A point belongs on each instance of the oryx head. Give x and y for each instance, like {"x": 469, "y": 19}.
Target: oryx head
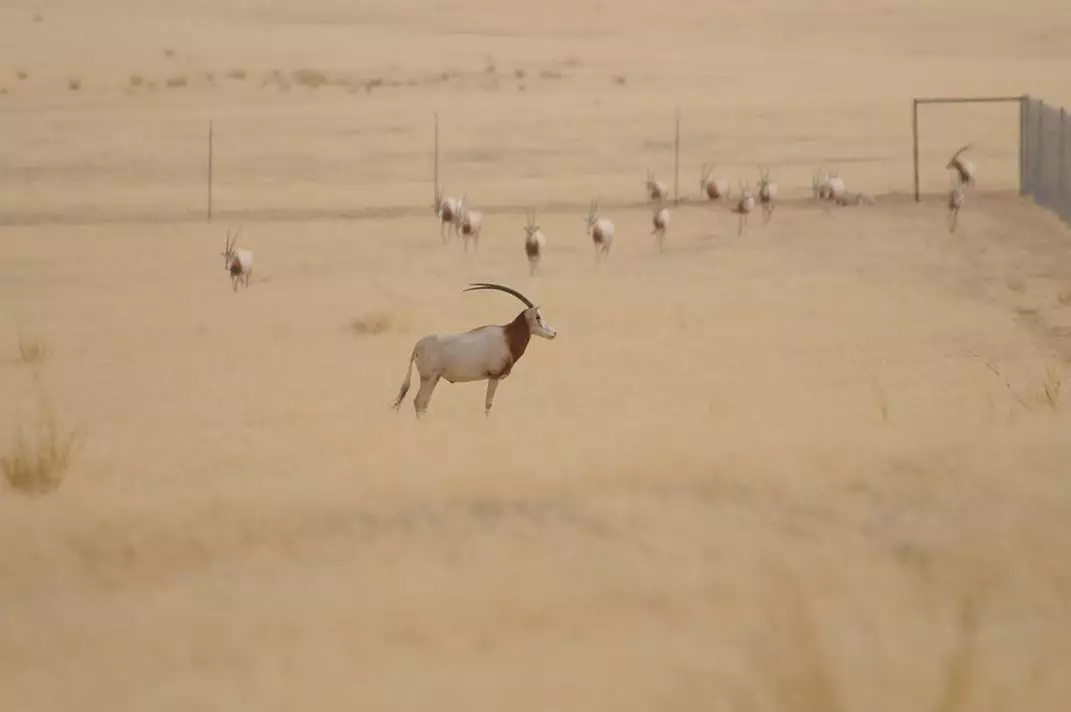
{"x": 228, "y": 249}
{"x": 530, "y": 227}
{"x": 592, "y": 214}
{"x": 536, "y": 325}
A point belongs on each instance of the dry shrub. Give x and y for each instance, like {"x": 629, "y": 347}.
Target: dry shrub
{"x": 551, "y": 74}
{"x": 374, "y": 323}
{"x": 312, "y": 78}
{"x": 74, "y": 84}
{"x": 39, "y": 466}
{"x": 177, "y": 82}
{"x": 32, "y": 350}
{"x": 620, "y": 79}
{"x": 136, "y": 81}
{"x": 237, "y": 74}
{"x": 519, "y": 73}
{"x": 1064, "y": 297}
{"x": 22, "y": 75}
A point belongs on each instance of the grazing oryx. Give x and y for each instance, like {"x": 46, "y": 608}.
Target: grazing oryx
{"x": 660, "y": 221}
{"x": 533, "y": 243}
{"x": 854, "y": 199}
{"x": 601, "y": 231}
{"x": 446, "y": 209}
{"x": 955, "y": 202}
{"x": 744, "y": 205}
{"x": 656, "y": 189}
{"x": 767, "y": 193}
{"x": 239, "y": 263}
{"x": 485, "y": 353}
{"x": 964, "y": 169}
{"x": 713, "y": 188}
{"x": 468, "y": 224}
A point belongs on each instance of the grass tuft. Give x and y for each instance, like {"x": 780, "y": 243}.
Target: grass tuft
{"x": 74, "y": 84}
{"x": 39, "y": 466}
{"x": 32, "y": 350}
{"x": 373, "y": 323}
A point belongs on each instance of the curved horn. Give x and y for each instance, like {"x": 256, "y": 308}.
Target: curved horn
{"x": 475, "y": 286}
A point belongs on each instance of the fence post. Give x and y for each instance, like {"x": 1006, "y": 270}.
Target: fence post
{"x": 915, "y": 143}
{"x": 1061, "y": 176}
{"x": 435, "y": 176}
{"x": 210, "y": 131}
{"x": 1023, "y": 146}
{"x": 677, "y": 161}
{"x": 1039, "y": 155}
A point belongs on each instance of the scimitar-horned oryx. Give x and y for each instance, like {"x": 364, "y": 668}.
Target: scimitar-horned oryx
{"x": 484, "y": 353}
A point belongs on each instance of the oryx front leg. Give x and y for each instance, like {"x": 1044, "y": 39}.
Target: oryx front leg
{"x": 423, "y": 396}
{"x": 492, "y": 386}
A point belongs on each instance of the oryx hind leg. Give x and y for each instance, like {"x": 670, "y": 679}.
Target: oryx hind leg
{"x": 423, "y": 396}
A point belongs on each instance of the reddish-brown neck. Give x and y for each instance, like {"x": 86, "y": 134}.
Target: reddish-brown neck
{"x": 518, "y": 334}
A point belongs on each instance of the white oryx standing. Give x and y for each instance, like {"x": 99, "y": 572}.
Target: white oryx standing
{"x": 964, "y": 169}
{"x": 469, "y": 223}
{"x": 601, "y": 231}
{"x": 660, "y": 221}
{"x": 239, "y": 263}
{"x": 656, "y": 189}
{"x": 744, "y": 205}
{"x": 533, "y": 243}
{"x": 446, "y": 209}
{"x": 827, "y": 186}
{"x": 714, "y": 189}
{"x": 767, "y": 194}
{"x": 485, "y": 353}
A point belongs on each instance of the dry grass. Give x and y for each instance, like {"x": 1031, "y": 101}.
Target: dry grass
{"x": 237, "y": 74}
{"x": 22, "y": 75}
{"x": 311, "y": 78}
{"x": 38, "y": 465}
{"x": 74, "y": 84}
{"x": 374, "y": 323}
{"x": 1064, "y": 297}
{"x": 33, "y": 350}
{"x": 136, "y": 81}
{"x": 177, "y": 81}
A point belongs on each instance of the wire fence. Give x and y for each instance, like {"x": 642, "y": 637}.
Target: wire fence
{"x": 354, "y": 159}
{"x": 1044, "y": 170}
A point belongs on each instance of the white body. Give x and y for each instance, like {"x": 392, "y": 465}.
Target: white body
{"x": 470, "y": 222}
{"x": 828, "y": 187}
{"x": 448, "y": 211}
{"x": 601, "y": 231}
{"x": 534, "y": 242}
{"x": 656, "y": 189}
{"x": 484, "y": 353}
{"x": 744, "y": 205}
{"x": 955, "y": 202}
{"x": 660, "y": 221}
{"x": 237, "y": 262}
{"x": 712, "y": 188}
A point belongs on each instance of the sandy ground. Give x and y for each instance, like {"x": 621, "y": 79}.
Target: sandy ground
{"x": 820, "y": 466}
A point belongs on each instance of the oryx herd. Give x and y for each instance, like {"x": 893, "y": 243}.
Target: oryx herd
{"x": 490, "y": 352}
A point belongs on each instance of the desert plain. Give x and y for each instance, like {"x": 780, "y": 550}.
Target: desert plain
{"x": 822, "y": 465}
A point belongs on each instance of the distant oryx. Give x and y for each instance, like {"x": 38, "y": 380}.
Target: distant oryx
{"x": 601, "y": 231}
{"x": 485, "y": 353}
{"x": 533, "y": 243}
{"x": 656, "y": 189}
{"x": 239, "y": 263}
{"x": 660, "y": 221}
{"x": 744, "y": 205}
{"x": 713, "y": 189}
{"x": 446, "y": 209}
{"x": 468, "y": 223}
{"x": 955, "y": 203}
{"x": 964, "y": 169}
{"x": 827, "y": 186}
{"x": 767, "y": 193}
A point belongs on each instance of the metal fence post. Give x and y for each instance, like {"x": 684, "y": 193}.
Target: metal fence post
{"x": 915, "y": 143}
{"x": 1061, "y": 179}
{"x": 1039, "y": 155}
{"x": 1024, "y": 178}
